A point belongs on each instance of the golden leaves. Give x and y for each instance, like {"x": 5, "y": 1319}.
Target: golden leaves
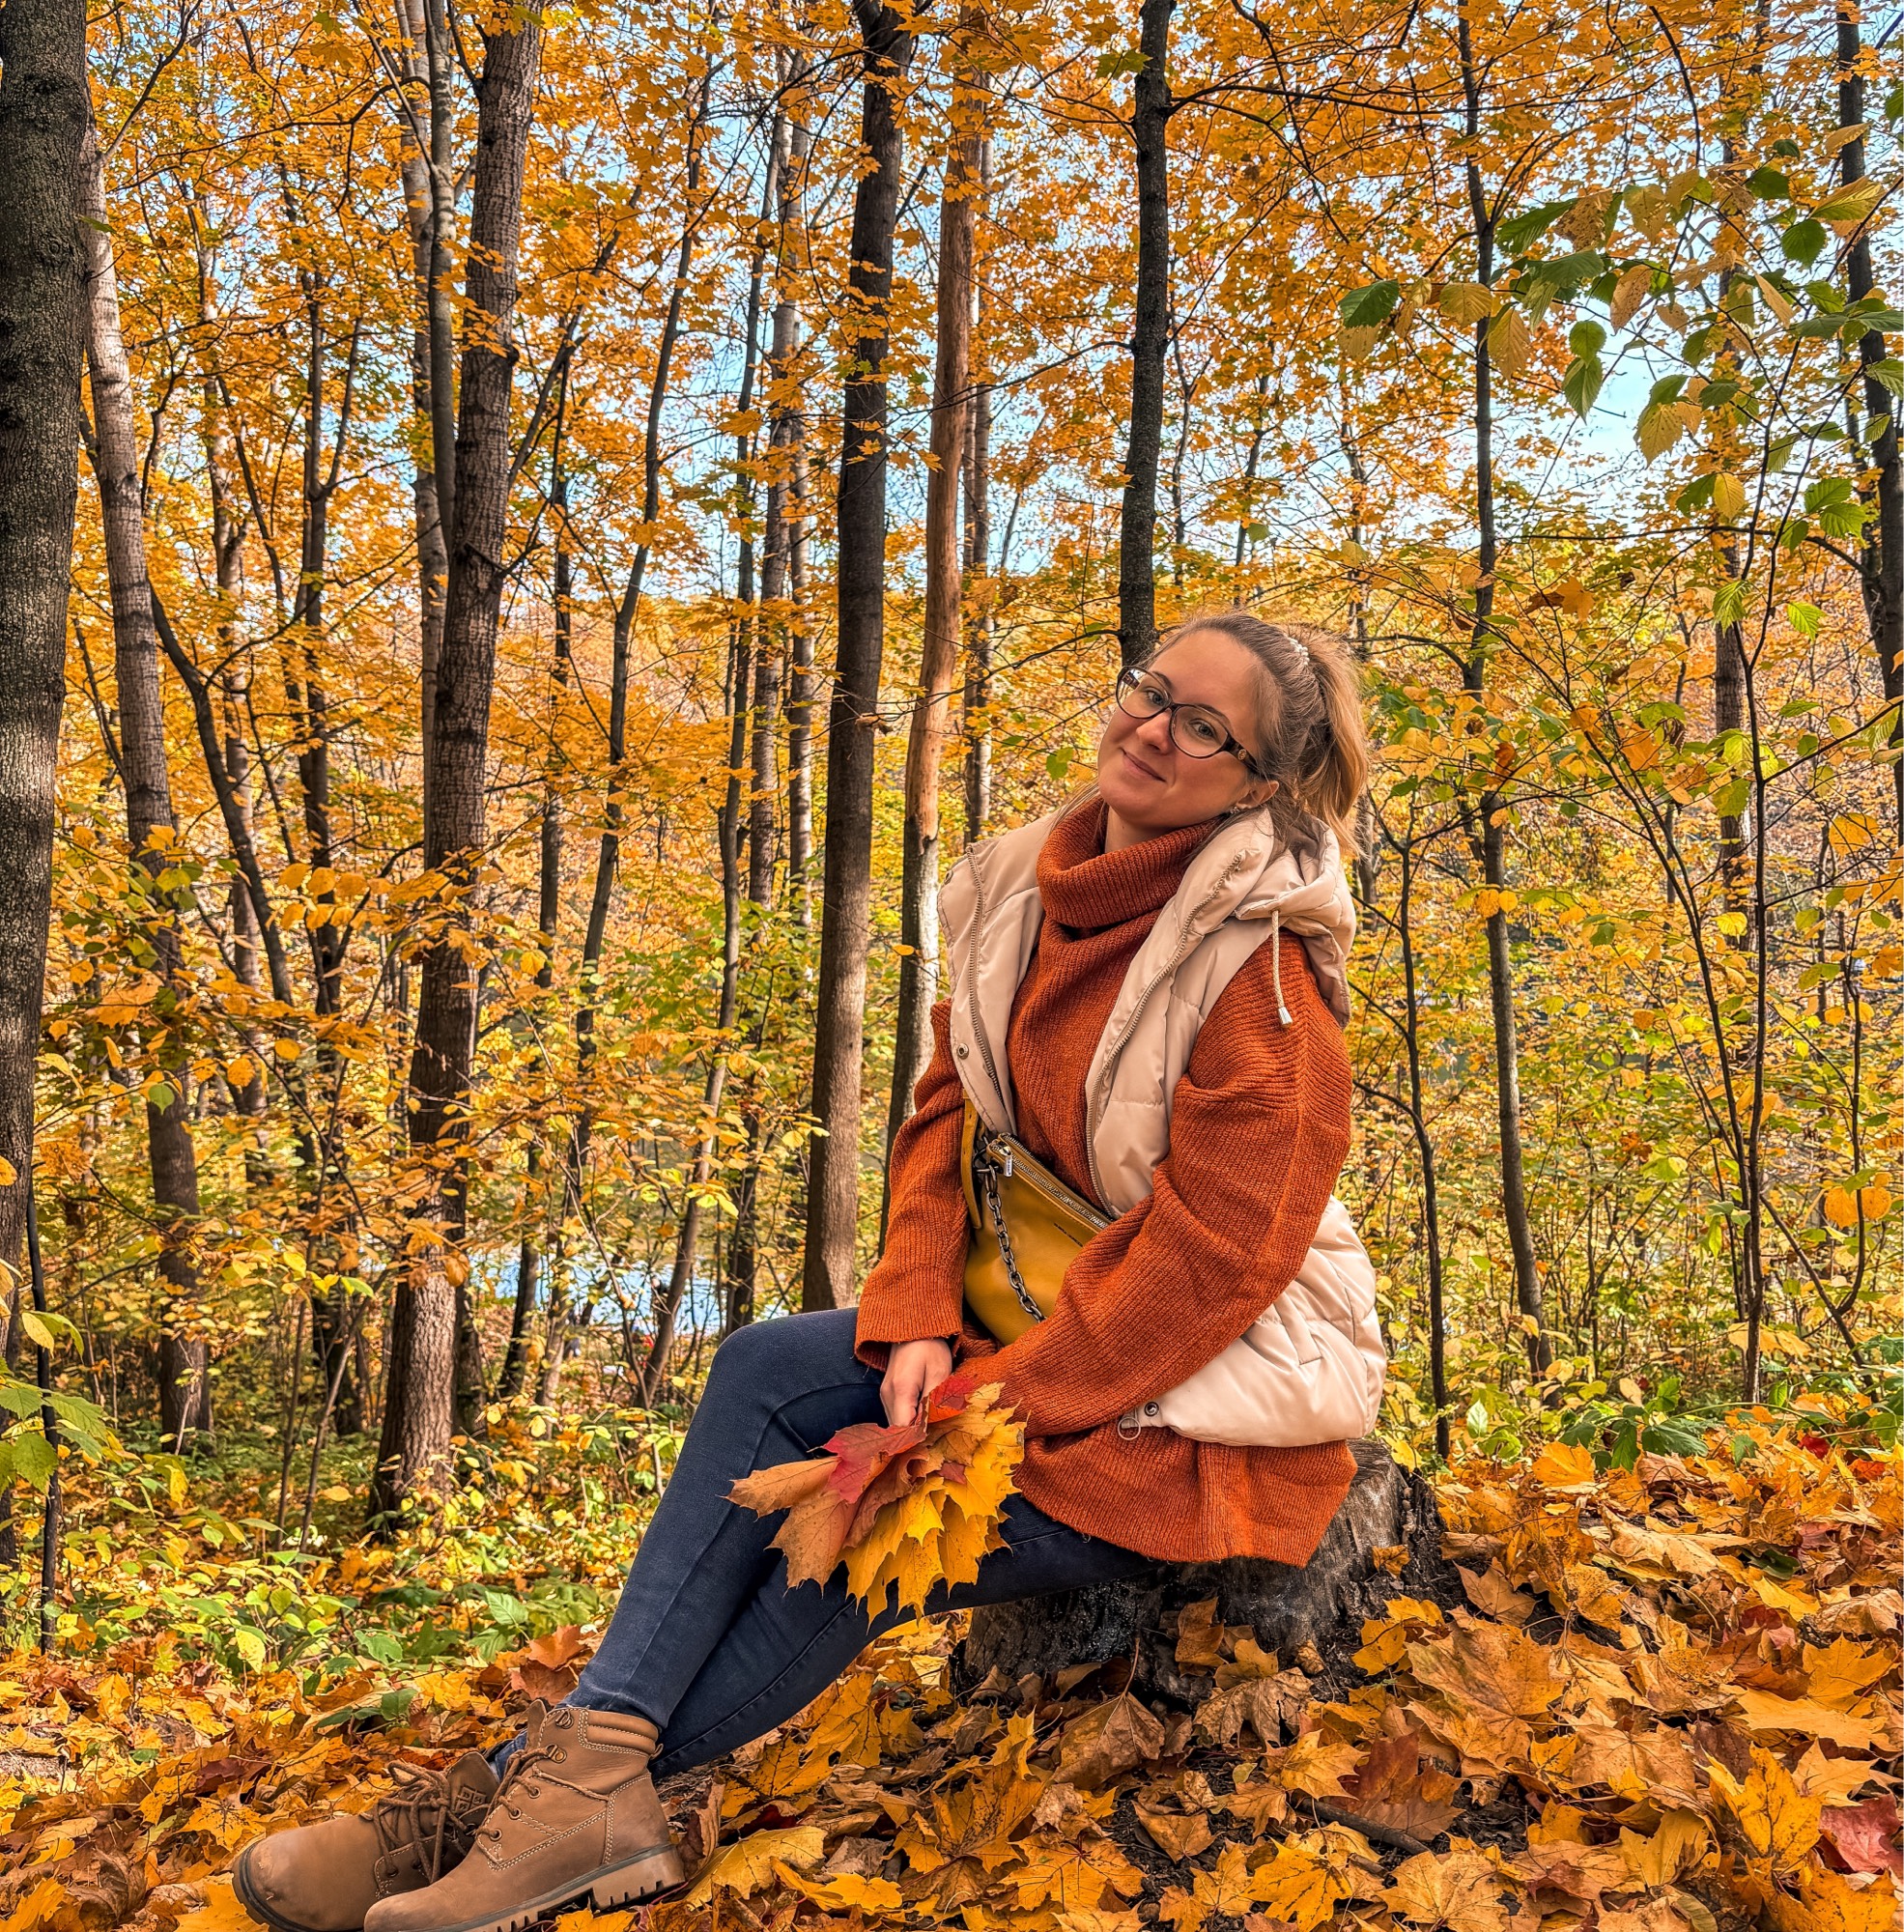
{"x": 904, "y": 1509}
{"x": 1461, "y": 1891}
{"x": 752, "y": 1862}
{"x": 1768, "y": 1815}
{"x": 1228, "y": 1889}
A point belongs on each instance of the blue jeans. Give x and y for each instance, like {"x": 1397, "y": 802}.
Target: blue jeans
{"x": 707, "y": 1642}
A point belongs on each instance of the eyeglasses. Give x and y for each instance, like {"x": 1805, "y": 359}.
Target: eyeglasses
{"x": 1195, "y": 729}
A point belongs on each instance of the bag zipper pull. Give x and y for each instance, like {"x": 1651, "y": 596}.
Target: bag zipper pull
{"x": 1007, "y": 1160}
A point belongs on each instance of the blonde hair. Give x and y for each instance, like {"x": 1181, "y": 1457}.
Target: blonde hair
{"x": 1310, "y": 734}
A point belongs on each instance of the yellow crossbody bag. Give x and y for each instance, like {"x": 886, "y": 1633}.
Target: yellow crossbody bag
{"x": 1027, "y": 1228}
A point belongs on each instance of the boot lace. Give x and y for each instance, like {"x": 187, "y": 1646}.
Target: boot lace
{"x": 519, "y": 1779}
{"x": 425, "y": 1811}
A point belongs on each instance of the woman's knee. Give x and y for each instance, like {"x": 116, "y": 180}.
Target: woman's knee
{"x": 788, "y": 1355}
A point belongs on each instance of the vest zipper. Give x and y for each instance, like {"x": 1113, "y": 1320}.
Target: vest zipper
{"x": 979, "y": 1031}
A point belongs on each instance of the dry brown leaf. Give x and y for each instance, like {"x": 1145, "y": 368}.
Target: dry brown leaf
{"x": 1108, "y": 1739}
{"x": 1178, "y": 1835}
{"x": 1394, "y": 1787}
{"x": 1493, "y": 1595}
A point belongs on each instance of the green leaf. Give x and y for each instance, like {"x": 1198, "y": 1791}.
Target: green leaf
{"x": 1768, "y": 185}
{"x": 1587, "y": 338}
{"x": 1111, "y": 65}
{"x": 1521, "y": 230}
{"x": 1804, "y": 618}
{"x": 1803, "y": 243}
{"x": 1887, "y": 374}
{"x": 34, "y": 1460}
{"x": 1582, "y": 384}
{"x": 250, "y": 1645}
{"x": 1730, "y": 603}
{"x": 1367, "y": 308}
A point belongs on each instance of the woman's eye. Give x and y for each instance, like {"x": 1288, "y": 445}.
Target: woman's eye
{"x": 1203, "y": 732}
{"x": 1152, "y": 696}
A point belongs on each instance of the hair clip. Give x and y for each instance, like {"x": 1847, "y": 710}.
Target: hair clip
{"x": 1297, "y": 646}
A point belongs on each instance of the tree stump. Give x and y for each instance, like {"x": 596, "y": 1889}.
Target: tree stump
{"x": 1323, "y": 1604}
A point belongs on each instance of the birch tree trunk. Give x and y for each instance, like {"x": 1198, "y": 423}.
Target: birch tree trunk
{"x": 833, "y": 1194}
{"x": 43, "y": 111}
{"x": 418, "y": 1405}
{"x": 184, "y": 1361}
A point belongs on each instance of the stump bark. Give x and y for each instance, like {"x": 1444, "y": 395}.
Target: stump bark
{"x": 1323, "y": 1604}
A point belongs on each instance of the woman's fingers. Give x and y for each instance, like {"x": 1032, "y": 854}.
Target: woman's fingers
{"x": 913, "y": 1371}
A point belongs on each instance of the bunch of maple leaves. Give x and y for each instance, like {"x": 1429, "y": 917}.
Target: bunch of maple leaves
{"x": 1661, "y": 1700}
{"x": 902, "y": 1508}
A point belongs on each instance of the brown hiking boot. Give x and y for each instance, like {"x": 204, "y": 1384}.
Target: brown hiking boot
{"x": 576, "y": 1813}
{"x": 323, "y": 1878}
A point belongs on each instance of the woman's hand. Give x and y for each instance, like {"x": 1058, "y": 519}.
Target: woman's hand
{"x": 913, "y": 1371}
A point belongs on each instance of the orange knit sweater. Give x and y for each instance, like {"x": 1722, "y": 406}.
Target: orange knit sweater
{"x": 1258, "y": 1131}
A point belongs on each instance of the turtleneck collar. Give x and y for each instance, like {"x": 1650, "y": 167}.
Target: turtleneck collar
{"x": 1090, "y": 890}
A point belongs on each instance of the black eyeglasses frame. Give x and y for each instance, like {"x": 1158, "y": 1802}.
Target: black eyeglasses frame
{"x": 1130, "y": 679}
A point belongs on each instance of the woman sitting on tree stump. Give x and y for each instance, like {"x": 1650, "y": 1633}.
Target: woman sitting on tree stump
{"x": 1114, "y": 1197}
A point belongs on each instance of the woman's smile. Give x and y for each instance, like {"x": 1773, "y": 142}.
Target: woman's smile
{"x": 1149, "y": 771}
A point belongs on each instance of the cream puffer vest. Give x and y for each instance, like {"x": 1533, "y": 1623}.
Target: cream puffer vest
{"x": 1310, "y": 1367}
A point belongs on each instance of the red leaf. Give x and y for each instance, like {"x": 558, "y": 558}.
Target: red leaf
{"x": 1865, "y": 1837}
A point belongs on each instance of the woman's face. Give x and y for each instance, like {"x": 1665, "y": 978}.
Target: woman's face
{"x": 1153, "y": 787}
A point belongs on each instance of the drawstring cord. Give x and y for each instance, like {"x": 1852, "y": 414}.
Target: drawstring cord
{"x": 1276, "y": 964}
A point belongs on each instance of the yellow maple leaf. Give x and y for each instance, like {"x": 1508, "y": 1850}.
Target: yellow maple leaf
{"x": 1777, "y": 1822}
{"x": 221, "y": 1910}
{"x": 844, "y": 1891}
{"x": 1313, "y": 1765}
{"x": 1680, "y": 1842}
{"x": 1229, "y": 1888}
{"x": 750, "y": 1865}
{"x": 1460, "y": 1890}
{"x": 1311, "y": 1875}
{"x": 1828, "y": 1903}
{"x": 1832, "y": 1780}
{"x": 1843, "y": 1670}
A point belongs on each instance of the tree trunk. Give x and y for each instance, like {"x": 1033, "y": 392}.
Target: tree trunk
{"x": 1150, "y": 338}
{"x": 327, "y": 1210}
{"x": 977, "y": 700}
{"x": 430, "y": 207}
{"x": 1323, "y": 1604}
{"x": 918, "y": 893}
{"x": 548, "y": 905}
{"x": 1489, "y": 838}
{"x": 184, "y": 1363}
{"x": 833, "y": 1202}
{"x": 1881, "y": 560}
{"x": 1431, "y": 1207}
{"x": 420, "y": 1394}
{"x": 44, "y": 110}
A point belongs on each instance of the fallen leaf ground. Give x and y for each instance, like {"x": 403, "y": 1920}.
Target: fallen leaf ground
{"x": 1665, "y": 1700}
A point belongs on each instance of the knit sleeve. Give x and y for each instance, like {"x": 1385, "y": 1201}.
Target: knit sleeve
{"x": 916, "y": 1291}
{"x": 1259, "y": 1132}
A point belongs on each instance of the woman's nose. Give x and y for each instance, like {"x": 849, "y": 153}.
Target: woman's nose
{"x": 1155, "y": 732}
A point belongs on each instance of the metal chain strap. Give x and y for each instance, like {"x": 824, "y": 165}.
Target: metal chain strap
{"x": 986, "y": 1176}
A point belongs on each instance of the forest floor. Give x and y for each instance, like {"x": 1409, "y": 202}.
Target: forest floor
{"x": 1668, "y": 1703}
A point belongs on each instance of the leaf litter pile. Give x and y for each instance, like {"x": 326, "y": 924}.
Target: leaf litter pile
{"x": 1665, "y": 1701}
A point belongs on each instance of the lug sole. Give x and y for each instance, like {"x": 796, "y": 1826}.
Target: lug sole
{"x": 651, "y": 1871}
